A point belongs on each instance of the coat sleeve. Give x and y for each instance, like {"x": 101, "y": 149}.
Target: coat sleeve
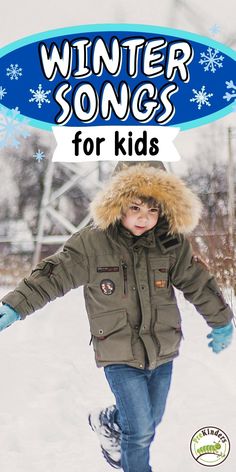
{"x": 53, "y": 277}
{"x": 199, "y": 286}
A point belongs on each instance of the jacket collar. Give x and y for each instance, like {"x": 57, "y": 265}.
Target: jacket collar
{"x": 118, "y": 233}
{"x": 147, "y": 239}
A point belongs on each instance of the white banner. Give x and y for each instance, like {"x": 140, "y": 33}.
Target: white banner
{"x": 111, "y": 143}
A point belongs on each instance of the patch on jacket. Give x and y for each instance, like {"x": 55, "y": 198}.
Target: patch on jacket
{"x": 107, "y": 286}
{"x": 168, "y": 242}
{"x": 108, "y": 269}
{"x": 160, "y": 283}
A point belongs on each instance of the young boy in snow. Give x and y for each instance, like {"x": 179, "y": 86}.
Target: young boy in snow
{"x": 128, "y": 260}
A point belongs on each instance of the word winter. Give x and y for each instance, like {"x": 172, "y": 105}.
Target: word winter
{"x": 128, "y": 58}
{"x": 177, "y": 56}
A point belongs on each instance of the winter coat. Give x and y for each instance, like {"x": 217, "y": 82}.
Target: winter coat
{"x": 129, "y": 281}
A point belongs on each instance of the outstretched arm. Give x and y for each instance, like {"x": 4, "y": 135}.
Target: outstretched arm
{"x": 51, "y": 278}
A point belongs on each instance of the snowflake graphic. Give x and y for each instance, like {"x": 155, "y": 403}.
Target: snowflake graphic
{"x": 211, "y": 60}
{"x": 201, "y": 97}
{"x": 214, "y": 29}
{"x": 40, "y": 96}
{"x": 228, "y": 95}
{"x": 12, "y": 127}
{"x": 2, "y": 92}
{"x": 39, "y": 155}
{"x": 14, "y": 71}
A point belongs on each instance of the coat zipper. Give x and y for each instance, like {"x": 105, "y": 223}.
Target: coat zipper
{"x": 125, "y": 277}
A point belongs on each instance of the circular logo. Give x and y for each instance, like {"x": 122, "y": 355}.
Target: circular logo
{"x": 210, "y": 446}
{"x": 107, "y": 286}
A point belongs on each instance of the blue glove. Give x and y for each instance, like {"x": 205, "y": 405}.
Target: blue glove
{"x": 221, "y": 337}
{"x": 7, "y": 316}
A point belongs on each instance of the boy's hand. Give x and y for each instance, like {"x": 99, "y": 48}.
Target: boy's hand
{"x": 7, "y": 316}
{"x": 221, "y": 337}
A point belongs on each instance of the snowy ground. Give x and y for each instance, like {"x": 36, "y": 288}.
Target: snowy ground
{"x": 49, "y": 383}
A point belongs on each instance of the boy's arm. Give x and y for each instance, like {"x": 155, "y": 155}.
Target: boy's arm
{"x": 51, "y": 278}
{"x": 199, "y": 286}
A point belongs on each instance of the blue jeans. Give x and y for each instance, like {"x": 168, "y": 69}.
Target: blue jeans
{"x": 140, "y": 400}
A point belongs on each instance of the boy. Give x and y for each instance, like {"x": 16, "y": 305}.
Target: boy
{"x": 128, "y": 260}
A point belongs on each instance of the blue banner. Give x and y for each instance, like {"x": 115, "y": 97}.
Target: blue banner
{"x": 110, "y": 75}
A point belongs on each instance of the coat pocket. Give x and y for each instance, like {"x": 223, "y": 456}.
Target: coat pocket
{"x": 111, "y": 334}
{"x": 159, "y": 273}
{"x": 167, "y": 329}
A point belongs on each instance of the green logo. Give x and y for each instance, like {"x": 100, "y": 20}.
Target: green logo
{"x": 210, "y": 446}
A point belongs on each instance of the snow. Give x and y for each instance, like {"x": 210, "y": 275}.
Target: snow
{"x": 49, "y": 383}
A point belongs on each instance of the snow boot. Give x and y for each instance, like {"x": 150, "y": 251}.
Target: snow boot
{"x": 109, "y": 434}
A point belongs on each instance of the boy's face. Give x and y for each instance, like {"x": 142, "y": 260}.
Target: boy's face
{"x": 139, "y": 217}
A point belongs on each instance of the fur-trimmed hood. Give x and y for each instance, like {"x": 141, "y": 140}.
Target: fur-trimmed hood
{"x": 180, "y": 206}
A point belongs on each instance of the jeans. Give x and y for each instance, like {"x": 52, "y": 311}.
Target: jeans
{"x": 140, "y": 400}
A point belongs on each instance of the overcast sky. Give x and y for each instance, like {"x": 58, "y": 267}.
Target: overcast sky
{"x": 197, "y": 16}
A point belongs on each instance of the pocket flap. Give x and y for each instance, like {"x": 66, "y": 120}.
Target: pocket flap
{"x": 160, "y": 266}
{"x": 106, "y": 323}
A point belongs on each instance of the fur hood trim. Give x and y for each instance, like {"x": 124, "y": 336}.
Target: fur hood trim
{"x": 180, "y": 206}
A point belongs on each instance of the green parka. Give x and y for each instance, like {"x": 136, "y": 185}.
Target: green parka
{"x": 128, "y": 281}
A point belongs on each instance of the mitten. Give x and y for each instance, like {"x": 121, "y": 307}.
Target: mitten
{"x": 221, "y": 337}
{"x": 7, "y": 316}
